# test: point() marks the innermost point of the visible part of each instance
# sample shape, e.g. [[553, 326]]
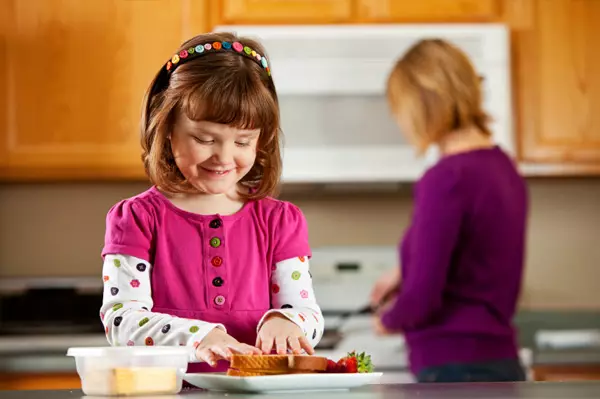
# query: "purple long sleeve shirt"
[[462, 261]]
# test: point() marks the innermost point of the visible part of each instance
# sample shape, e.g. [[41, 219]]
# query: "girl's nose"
[[224, 153]]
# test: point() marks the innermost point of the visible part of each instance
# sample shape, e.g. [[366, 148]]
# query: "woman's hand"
[[282, 333], [218, 345], [378, 326], [387, 283], [380, 329]]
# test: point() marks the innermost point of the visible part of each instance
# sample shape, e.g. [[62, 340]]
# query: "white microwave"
[[331, 85]]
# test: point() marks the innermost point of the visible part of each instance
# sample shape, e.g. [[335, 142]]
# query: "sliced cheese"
[[131, 381]]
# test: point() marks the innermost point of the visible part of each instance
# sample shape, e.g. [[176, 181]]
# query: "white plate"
[[280, 383]]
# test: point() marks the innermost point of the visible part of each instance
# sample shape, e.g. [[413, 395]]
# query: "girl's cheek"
[[248, 158]]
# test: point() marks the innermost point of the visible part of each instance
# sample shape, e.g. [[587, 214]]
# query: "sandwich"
[[269, 365], [261, 365]]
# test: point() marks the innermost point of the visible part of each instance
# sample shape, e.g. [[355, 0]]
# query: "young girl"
[[206, 258], [462, 255]]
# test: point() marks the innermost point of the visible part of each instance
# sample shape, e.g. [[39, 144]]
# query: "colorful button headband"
[[202, 49]]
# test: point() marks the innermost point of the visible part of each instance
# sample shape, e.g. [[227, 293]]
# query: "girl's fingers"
[[245, 349], [253, 350], [294, 344], [266, 345], [304, 344], [281, 344], [258, 342], [221, 351], [207, 356]]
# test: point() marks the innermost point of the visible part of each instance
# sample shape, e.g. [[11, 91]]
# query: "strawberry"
[[348, 365], [331, 366], [355, 363]]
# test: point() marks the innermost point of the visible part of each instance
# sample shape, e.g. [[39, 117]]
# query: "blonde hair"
[[434, 90], [222, 87]]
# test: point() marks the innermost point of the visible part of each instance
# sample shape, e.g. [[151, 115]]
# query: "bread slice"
[[251, 365], [254, 373]]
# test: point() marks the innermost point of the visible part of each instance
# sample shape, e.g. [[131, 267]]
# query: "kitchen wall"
[[57, 230]]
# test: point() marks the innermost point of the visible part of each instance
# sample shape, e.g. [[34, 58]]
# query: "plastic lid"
[[129, 351]]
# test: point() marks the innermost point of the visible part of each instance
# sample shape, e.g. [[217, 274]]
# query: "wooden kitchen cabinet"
[[428, 10], [566, 372], [73, 73], [73, 77], [351, 11], [557, 83], [39, 381], [3, 79], [281, 12]]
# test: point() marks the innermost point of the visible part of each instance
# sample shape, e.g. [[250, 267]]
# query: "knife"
[[370, 309]]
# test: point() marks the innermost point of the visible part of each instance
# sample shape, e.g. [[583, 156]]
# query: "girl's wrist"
[[274, 315]]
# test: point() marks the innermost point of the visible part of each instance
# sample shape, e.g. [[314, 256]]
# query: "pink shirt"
[[215, 268]]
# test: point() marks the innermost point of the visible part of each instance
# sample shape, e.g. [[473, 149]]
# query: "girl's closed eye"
[[245, 140], [203, 140]]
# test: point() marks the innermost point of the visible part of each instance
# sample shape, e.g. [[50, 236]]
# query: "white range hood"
[[331, 85]]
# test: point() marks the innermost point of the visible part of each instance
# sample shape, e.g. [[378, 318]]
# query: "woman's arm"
[[433, 236]]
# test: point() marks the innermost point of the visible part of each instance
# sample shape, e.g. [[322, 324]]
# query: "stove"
[[50, 307], [343, 278]]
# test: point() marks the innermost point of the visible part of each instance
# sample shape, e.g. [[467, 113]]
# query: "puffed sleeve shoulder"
[[291, 233], [129, 229]]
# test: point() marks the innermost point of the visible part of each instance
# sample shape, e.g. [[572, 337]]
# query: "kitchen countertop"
[[46, 353], [18, 344], [43, 353], [527, 390]]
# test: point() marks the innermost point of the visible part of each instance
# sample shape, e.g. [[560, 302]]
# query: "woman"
[[463, 253]]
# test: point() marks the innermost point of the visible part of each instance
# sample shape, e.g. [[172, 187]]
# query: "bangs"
[[241, 103]]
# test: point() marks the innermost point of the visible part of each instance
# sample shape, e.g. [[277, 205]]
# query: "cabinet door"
[[558, 84], [39, 381], [3, 79], [566, 373], [280, 11], [428, 10], [76, 72]]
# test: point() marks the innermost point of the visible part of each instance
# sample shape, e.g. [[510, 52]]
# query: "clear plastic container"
[[131, 370]]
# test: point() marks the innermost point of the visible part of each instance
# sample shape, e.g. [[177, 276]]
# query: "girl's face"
[[213, 157]]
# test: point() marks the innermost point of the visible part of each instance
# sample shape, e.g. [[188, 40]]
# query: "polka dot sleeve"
[[126, 310], [292, 295]]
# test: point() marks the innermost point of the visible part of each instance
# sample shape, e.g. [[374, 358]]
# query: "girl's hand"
[[279, 331], [218, 345]]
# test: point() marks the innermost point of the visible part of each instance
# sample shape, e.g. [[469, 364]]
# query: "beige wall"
[[57, 230]]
